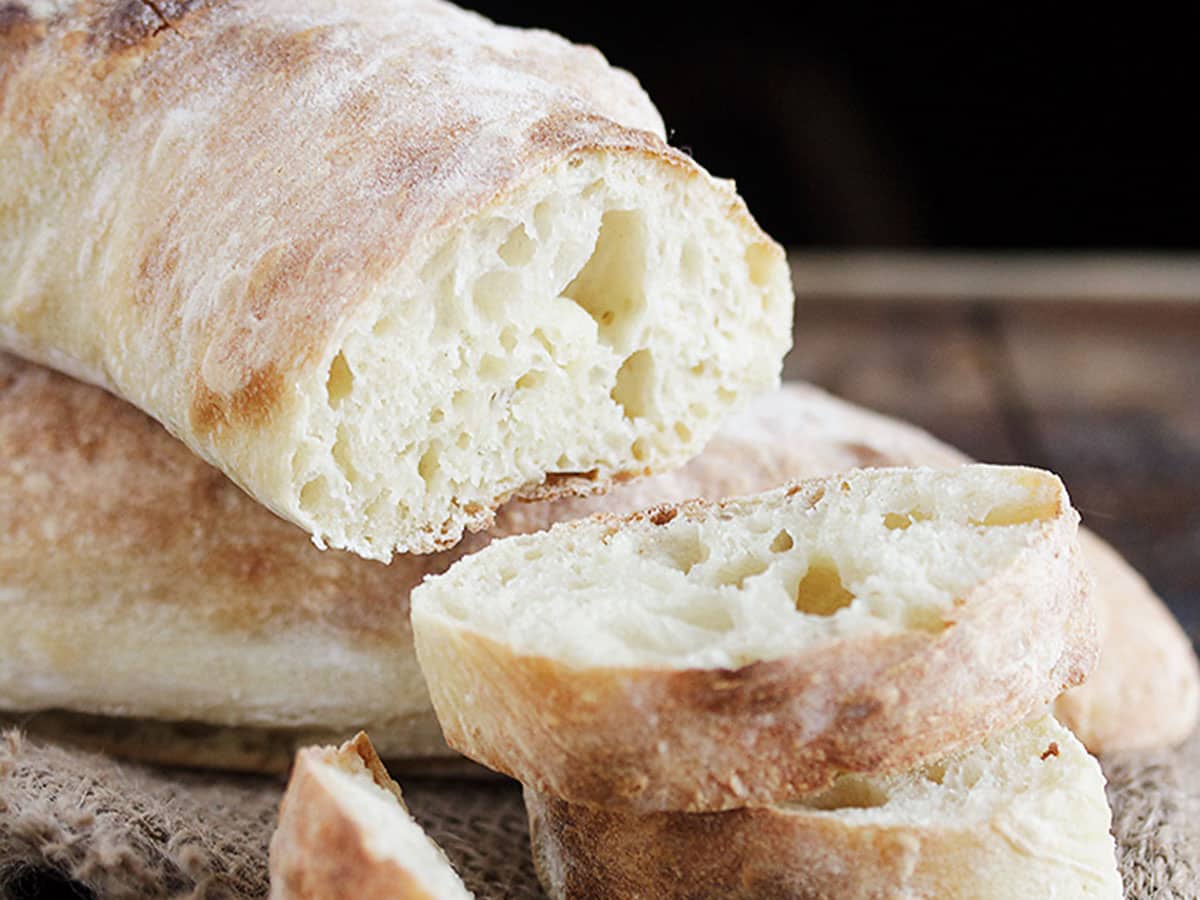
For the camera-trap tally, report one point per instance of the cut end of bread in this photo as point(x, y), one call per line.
point(595, 324)
point(875, 553)
point(344, 831)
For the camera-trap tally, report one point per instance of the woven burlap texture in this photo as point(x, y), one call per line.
point(131, 831)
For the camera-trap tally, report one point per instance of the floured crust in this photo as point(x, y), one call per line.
point(1051, 843)
point(702, 739)
point(278, 162)
point(1145, 691)
point(322, 849)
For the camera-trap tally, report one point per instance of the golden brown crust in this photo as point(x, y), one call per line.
point(777, 852)
point(91, 485)
point(319, 851)
point(711, 739)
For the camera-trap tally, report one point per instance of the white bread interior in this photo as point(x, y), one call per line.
point(1021, 815)
point(436, 264)
point(344, 831)
point(604, 319)
point(751, 579)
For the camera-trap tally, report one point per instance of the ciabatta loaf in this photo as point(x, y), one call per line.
point(384, 263)
point(1020, 816)
point(703, 657)
point(344, 832)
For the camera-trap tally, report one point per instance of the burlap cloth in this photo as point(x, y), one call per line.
point(71, 820)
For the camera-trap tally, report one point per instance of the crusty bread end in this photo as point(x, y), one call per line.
point(344, 832)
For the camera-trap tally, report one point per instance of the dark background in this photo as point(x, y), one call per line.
point(856, 128)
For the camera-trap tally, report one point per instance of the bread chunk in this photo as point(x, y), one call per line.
point(344, 832)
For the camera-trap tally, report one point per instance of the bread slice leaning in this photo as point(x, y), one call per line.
point(1021, 815)
point(703, 657)
point(385, 264)
point(344, 832)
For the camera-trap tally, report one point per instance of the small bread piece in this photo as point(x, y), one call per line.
point(385, 264)
point(1020, 816)
point(344, 832)
point(702, 657)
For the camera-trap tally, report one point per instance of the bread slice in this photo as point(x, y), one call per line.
point(1020, 816)
point(385, 265)
point(702, 657)
point(344, 831)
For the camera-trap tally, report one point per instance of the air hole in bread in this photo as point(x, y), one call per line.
point(848, 792)
point(640, 450)
point(739, 570)
point(895, 521)
point(543, 217)
point(341, 454)
point(684, 549)
point(594, 188)
point(1018, 514)
point(611, 285)
point(821, 592)
point(691, 263)
point(760, 262)
point(635, 380)
point(530, 379)
point(923, 618)
point(782, 542)
point(492, 368)
point(683, 432)
point(935, 772)
point(493, 292)
point(518, 248)
point(340, 381)
point(428, 465)
point(508, 339)
point(708, 618)
point(314, 493)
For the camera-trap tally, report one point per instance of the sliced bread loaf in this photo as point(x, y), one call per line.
point(1021, 815)
point(704, 657)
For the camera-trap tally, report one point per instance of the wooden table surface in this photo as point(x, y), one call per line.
point(1104, 391)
